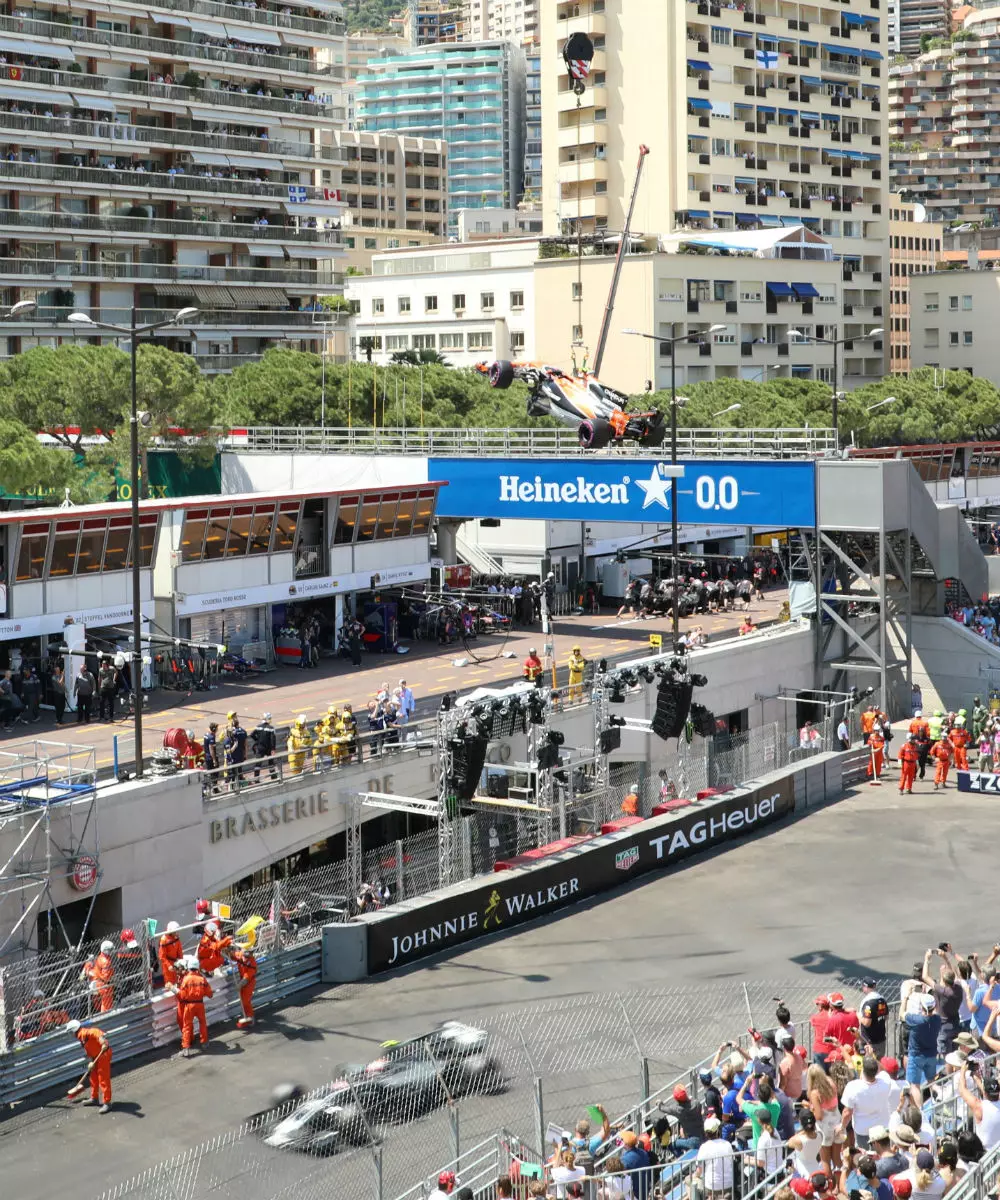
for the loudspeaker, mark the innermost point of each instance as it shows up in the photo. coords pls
(673, 702)
(469, 758)
(498, 786)
(611, 739)
(702, 720)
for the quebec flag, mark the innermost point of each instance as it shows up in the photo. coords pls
(768, 59)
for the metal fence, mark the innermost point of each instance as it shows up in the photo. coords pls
(474, 443)
(428, 1106)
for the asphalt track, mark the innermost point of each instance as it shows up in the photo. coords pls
(861, 886)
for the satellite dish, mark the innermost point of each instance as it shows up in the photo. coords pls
(919, 213)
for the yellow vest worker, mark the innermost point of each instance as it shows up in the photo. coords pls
(577, 664)
(299, 741)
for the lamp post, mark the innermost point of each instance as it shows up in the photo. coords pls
(723, 411)
(797, 337)
(672, 342)
(879, 403)
(133, 332)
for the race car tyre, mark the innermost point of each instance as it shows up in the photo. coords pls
(501, 374)
(594, 434)
(655, 432)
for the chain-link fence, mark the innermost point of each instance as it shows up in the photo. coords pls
(490, 1094)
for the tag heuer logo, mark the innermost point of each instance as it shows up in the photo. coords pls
(625, 860)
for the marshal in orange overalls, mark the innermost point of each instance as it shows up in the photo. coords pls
(169, 951)
(191, 997)
(101, 972)
(210, 948)
(94, 1041)
(941, 753)
(876, 746)
(960, 738)
(908, 757)
(246, 964)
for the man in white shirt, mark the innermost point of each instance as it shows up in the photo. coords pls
(714, 1162)
(865, 1103)
(408, 704)
(889, 1073)
(844, 734)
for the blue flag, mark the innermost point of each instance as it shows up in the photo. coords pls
(768, 59)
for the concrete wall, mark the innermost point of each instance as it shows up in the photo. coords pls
(950, 664)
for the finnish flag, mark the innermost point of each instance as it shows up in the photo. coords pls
(768, 59)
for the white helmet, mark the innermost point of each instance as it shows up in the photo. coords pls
(107, 947)
(212, 927)
(918, 713)
(190, 962)
(172, 927)
(73, 1026)
(38, 994)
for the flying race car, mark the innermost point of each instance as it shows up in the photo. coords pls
(598, 411)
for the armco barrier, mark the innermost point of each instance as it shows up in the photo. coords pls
(55, 1059)
(479, 908)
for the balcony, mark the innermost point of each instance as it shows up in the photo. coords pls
(53, 269)
(243, 232)
(169, 49)
(593, 24)
(584, 135)
(587, 170)
(216, 98)
(147, 182)
(270, 17)
(69, 131)
(304, 324)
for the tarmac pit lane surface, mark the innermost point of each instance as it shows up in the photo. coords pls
(862, 886)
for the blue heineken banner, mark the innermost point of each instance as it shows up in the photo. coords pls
(622, 489)
(979, 781)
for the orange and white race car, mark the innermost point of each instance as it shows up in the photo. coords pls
(598, 411)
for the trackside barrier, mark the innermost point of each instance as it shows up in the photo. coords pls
(53, 1059)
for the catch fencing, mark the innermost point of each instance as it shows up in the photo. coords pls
(539, 1069)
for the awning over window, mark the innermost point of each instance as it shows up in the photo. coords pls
(255, 36)
(209, 158)
(779, 289)
(804, 289)
(850, 18)
(767, 39)
(312, 251)
(259, 297)
(697, 64)
(34, 95)
(699, 102)
(86, 100)
(700, 213)
(210, 28)
(871, 55)
(846, 51)
(43, 49)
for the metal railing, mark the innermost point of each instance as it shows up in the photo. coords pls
(172, 49)
(474, 443)
(167, 227)
(150, 90)
(126, 135)
(331, 26)
(207, 317)
(148, 181)
(54, 268)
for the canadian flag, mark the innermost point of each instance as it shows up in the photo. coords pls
(331, 194)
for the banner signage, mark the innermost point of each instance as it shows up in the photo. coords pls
(509, 899)
(979, 781)
(300, 589)
(622, 489)
(51, 623)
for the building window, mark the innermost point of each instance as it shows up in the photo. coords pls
(452, 341)
(458, 302)
(967, 303)
(430, 304)
(953, 338)
(31, 556)
(486, 301)
(720, 35)
(404, 304)
(577, 335)
(600, 114)
(967, 337)
(424, 341)
(378, 306)
(577, 290)
(953, 303)
(517, 300)
(349, 243)
(392, 243)
(480, 341)
(931, 339)
(371, 243)
(931, 302)
(397, 341)
(517, 341)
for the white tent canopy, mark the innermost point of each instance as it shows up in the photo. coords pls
(786, 241)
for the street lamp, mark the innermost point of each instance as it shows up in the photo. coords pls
(20, 307)
(879, 403)
(797, 336)
(723, 411)
(672, 342)
(133, 332)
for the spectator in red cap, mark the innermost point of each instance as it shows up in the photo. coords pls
(822, 1185)
(801, 1187)
(447, 1183)
(901, 1187)
(689, 1116)
(843, 1022)
(819, 1021)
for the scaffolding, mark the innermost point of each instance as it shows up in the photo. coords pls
(48, 832)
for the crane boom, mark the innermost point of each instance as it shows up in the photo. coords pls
(609, 308)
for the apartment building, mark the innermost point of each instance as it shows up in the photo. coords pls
(532, 173)
(364, 46)
(152, 161)
(470, 303)
(954, 321)
(428, 22)
(915, 247)
(471, 97)
(755, 116)
(911, 22)
(488, 224)
(944, 117)
(514, 20)
(502, 299)
(391, 181)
